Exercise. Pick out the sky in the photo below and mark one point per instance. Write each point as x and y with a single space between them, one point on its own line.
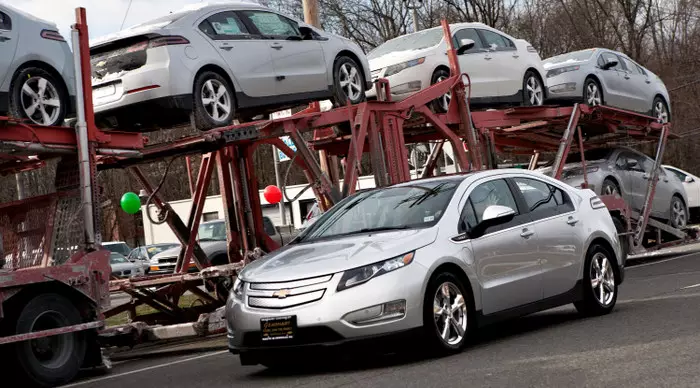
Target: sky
104 16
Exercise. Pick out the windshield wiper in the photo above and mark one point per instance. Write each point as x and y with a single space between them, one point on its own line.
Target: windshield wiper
379 229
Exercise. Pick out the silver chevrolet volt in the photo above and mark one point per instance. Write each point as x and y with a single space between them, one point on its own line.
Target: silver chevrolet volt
439 257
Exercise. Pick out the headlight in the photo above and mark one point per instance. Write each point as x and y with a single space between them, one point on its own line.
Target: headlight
357 276
561 70
238 287
394 69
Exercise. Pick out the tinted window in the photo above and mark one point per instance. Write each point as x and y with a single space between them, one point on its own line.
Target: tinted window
5 22
496 41
215 231
495 192
224 25
542 199
592 154
468 33
630 66
417 205
269 227
677 173
608 57
272 24
416 41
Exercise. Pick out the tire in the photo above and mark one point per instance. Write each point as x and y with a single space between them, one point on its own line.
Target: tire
441 104
592 93
678 215
49 367
211 111
38 96
610 187
592 304
455 338
533 89
620 227
659 109
345 79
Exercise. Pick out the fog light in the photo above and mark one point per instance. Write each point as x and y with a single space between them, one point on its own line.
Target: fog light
408 87
567 87
375 314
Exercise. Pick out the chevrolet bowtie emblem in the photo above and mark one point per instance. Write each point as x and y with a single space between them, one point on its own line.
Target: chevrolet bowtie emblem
281 293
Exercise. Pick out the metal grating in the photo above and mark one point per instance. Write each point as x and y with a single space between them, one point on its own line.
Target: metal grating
68 229
23 226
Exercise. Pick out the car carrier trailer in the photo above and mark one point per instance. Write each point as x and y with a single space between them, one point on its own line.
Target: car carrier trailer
55 279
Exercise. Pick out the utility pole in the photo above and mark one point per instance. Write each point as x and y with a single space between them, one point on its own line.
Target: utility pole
413 5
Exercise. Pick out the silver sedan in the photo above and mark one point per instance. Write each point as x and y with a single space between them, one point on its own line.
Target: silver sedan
604 77
438 257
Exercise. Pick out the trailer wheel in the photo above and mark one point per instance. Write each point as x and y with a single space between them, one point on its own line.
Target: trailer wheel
55 360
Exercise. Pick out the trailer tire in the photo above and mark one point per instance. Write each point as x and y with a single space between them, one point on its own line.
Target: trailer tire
38 364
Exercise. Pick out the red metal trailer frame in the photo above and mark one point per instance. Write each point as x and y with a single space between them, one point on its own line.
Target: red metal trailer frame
381 128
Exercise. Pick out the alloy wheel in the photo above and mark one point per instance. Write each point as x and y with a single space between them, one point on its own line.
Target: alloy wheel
444 100
602 279
534 91
678 214
609 189
592 94
660 111
350 81
450 313
216 99
41 102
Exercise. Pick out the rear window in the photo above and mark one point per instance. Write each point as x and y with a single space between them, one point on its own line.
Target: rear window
416 41
121 55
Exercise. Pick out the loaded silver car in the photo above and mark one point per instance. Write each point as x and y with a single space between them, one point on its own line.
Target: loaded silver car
221 61
605 77
626 172
36 69
438 257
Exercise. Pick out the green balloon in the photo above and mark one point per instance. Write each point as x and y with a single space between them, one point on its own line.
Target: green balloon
131 203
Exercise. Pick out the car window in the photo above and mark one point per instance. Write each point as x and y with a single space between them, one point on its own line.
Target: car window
495 192
214 231
629 65
468 33
224 25
623 160
269 227
607 57
542 199
5 22
153 250
677 173
272 25
496 41
640 69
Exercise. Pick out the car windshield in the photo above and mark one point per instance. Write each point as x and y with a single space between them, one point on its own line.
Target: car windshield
576 56
153 250
215 231
417 41
418 205
116 258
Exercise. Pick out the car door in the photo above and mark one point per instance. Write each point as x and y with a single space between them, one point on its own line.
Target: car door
500 63
560 235
247 55
690 184
476 63
612 79
300 65
8 44
505 256
635 88
630 170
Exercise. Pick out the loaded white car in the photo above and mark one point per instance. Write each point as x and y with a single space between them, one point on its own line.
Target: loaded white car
502 69
36 69
220 62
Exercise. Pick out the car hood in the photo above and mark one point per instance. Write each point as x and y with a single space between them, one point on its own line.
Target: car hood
396 57
306 260
207 247
548 64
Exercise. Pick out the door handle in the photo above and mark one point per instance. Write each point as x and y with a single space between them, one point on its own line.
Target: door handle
487 58
4 39
627 76
516 56
645 176
227 48
572 221
526 233
647 81
276 46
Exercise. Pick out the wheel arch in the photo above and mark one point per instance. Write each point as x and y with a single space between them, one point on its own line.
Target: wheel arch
44 66
600 84
459 272
545 92
85 305
354 57
612 178
218 70
665 100
599 240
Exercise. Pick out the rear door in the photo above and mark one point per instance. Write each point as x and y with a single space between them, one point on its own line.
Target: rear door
8 44
247 55
299 64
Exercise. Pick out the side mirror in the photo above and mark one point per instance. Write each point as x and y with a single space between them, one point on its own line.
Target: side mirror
631 164
496 214
609 65
688 179
465 45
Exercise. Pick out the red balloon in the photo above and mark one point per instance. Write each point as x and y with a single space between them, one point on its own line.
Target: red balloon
272 194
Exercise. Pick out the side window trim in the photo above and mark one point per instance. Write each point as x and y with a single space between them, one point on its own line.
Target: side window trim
252 27
479 45
219 37
521 218
481 31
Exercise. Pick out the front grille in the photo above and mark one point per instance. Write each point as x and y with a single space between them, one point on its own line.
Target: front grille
281 295
304 336
127 272
168 260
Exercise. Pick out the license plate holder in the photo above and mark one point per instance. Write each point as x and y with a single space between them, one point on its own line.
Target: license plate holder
278 328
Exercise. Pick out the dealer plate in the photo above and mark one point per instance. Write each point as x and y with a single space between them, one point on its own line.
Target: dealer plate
278 328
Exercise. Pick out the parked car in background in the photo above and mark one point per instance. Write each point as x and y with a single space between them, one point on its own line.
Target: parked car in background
117 246
433 258
123 268
605 77
37 79
625 172
311 217
221 61
691 184
502 69
212 239
144 254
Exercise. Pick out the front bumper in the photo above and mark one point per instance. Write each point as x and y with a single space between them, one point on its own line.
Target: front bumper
566 86
402 84
323 322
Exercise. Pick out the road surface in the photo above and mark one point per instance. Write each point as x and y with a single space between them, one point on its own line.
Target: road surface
650 340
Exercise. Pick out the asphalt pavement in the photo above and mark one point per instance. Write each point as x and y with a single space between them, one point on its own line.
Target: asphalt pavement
650 340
